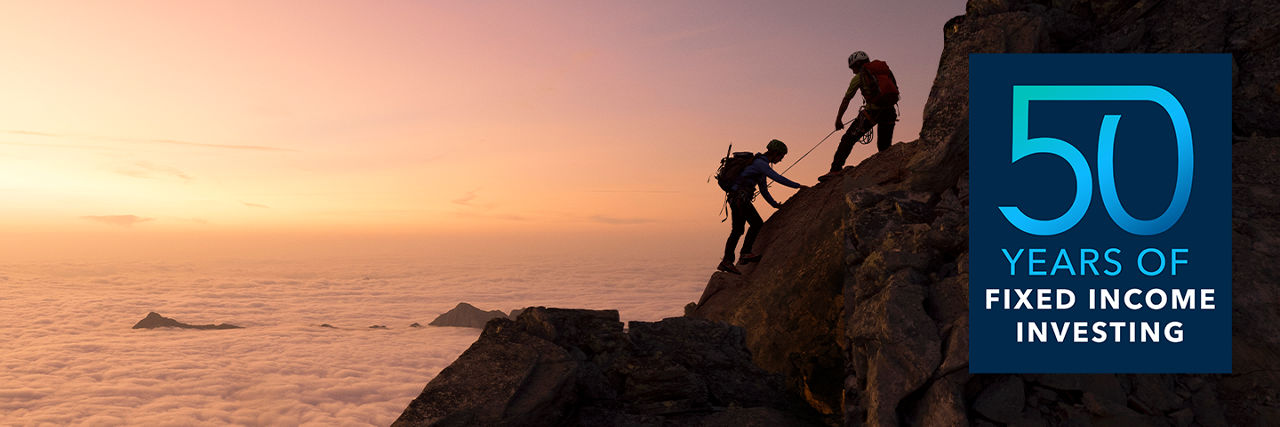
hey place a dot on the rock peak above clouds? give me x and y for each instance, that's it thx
(155, 320)
(466, 316)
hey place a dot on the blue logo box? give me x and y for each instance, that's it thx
(1100, 213)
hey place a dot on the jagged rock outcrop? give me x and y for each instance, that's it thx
(466, 316)
(861, 301)
(810, 314)
(578, 367)
(895, 312)
(155, 320)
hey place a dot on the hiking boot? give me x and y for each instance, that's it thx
(727, 267)
(748, 258)
(829, 175)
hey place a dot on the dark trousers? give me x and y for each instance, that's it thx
(884, 118)
(743, 212)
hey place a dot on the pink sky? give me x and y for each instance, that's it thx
(134, 123)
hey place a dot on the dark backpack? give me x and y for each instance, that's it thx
(731, 167)
(880, 88)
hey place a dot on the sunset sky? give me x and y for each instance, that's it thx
(444, 119)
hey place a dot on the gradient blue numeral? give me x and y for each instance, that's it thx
(1023, 146)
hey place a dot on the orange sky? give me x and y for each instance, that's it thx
(418, 117)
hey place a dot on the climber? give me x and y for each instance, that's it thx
(880, 94)
(740, 194)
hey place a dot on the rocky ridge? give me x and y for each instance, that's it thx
(578, 367)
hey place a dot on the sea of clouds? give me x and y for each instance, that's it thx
(70, 358)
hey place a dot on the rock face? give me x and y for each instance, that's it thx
(578, 367)
(861, 302)
(466, 316)
(155, 320)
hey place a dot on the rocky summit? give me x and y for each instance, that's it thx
(859, 308)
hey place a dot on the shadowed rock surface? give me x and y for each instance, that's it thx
(466, 316)
(155, 320)
(578, 367)
(860, 303)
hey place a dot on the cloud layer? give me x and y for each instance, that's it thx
(71, 359)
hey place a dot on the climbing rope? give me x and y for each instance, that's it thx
(866, 139)
(815, 146)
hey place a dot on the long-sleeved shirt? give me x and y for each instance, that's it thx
(754, 175)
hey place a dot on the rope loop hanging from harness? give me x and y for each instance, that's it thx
(867, 137)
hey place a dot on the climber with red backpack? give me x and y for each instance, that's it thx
(740, 174)
(880, 93)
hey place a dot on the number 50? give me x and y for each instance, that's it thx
(1024, 146)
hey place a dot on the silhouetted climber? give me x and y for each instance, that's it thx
(740, 189)
(880, 94)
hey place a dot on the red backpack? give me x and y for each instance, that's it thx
(880, 88)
